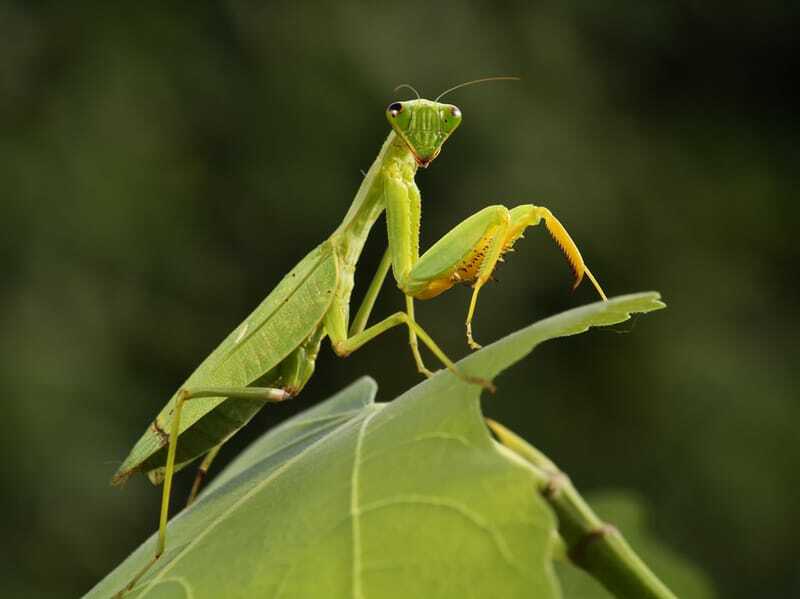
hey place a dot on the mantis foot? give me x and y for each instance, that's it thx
(488, 385)
(470, 341)
(132, 584)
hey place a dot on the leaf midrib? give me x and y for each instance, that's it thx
(256, 488)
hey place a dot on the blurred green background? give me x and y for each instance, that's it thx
(161, 166)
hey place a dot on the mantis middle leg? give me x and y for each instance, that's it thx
(345, 341)
(362, 316)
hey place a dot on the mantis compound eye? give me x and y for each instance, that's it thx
(395, 108)
(451, 118)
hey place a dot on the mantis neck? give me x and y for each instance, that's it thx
(394, 159)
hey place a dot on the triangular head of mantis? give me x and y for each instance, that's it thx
(424, 126)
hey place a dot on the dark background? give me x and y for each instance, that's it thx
(162, 167)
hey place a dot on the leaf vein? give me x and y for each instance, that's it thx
(355, 510)
(443, 502)
(227, 512)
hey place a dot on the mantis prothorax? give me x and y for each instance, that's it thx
(271, 355)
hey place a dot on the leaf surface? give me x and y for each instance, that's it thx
(360, 499)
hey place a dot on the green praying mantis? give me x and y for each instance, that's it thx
(270, 356)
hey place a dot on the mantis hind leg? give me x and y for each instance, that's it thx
(469, 253)
(291, 375)
(202, 472)
(263, 394)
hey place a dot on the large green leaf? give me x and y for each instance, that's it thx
(357, 499)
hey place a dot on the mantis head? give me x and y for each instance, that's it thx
(424, 126)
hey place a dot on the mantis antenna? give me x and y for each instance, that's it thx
(460, 85)
(402, 85)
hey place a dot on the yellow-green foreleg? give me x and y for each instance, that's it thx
(532, 215)
(469, 253)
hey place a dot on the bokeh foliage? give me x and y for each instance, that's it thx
(162, 166)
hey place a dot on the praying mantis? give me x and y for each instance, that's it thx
(270, 356)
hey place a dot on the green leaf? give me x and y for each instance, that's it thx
(299, 432)
(357, 499)
(628, 514)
